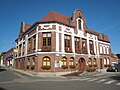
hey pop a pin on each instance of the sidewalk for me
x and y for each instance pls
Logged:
(59, 75)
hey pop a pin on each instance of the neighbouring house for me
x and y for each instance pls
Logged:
(8, 57)
(58, 43)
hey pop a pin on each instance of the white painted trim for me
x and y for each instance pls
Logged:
(88, 47)
(26, 38)
(103, 42)
(36, 47)
(57, 42)
(63, 42)
(73, 44)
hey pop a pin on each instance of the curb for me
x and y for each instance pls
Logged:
(22, 72)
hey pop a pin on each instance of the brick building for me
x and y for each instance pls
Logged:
(60, 43)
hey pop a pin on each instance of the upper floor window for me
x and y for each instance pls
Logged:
(23, 48)
(29, 44)
(107, 50)
(77, 44)
(79, 24)
(34, 42)
(84, 46)
(67, 43)
(91, 47)
(46, 41)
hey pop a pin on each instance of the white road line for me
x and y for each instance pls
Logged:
(102, 80)
(92, 80)
(118, 84)
(85, 79)
(19, 75)
(109, 82)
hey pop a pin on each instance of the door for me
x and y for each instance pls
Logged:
(82, 65)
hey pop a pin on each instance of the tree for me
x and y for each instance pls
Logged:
(118, 55)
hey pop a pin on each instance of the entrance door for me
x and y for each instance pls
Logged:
(82, 65)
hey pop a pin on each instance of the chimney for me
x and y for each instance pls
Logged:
(23, 26)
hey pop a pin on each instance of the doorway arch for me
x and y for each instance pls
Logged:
(81, 65)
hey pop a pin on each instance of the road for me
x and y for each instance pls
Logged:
(10, 80)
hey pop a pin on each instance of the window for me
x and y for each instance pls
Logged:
(107, 50)
(108, 61)
(104, 49)
(105, 62)
(91, 47)
(34, 42)
(101, 49)
(29, 42)
(79, 24)
(64, 63)
(94, 62)
(33, 63)
(84, 46)
(46, 63)
(67, 43)
(23, 48)
(20, 46)
(28, 63)
(71, 63)
(77, 47)
(46, 41)
(90, 62)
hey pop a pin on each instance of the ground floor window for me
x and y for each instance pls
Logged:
(71, 62)
(105, 62)
(64, 63)
(46, 64)
(94, 62)
(33, 63)
(28, 63)
(90, 62)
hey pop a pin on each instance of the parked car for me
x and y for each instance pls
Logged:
(114, 68)
(2, 68)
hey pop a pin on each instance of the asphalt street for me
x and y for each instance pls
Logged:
(10, 80)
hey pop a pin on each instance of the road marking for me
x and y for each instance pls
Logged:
(84, 79)
(92, 80)
(118, 84)
(109, 82)
(102, 80)
(19, 75)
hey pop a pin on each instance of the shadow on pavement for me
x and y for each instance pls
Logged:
(2, 88)
(115, 77)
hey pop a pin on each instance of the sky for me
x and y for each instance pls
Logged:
(101, 15)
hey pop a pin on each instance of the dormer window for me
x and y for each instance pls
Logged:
(79, 23)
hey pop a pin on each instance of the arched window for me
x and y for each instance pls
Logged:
(28, 63)
(64, 63)
(79, 23)
(108, 61)
(90, 62)
(105, 62)
(71, 62)
(94, 62)
(46, 64)
(33, 63)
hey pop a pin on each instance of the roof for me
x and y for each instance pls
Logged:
(92, 32)
(27, 26)
(60, 18)
(103, 37)
(55, 17)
